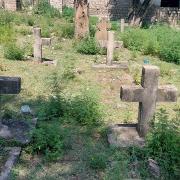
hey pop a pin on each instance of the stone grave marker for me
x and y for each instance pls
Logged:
(81, 18)
(18, 130)
(110, 54)
(147, 95)
(38, 43)
(122, 25)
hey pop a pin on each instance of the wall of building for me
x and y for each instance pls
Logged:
(12, 5)
(57, 4)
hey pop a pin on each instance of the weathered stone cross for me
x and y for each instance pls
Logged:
(147, 95)
(38, 43)
(9, 85)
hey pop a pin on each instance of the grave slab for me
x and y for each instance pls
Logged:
(18, 130)
(14, 153)
(125, 135)
(113, 66)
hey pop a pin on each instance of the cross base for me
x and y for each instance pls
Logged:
(125, 135)
(113, 66)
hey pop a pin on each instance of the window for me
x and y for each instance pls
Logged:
(170, 3)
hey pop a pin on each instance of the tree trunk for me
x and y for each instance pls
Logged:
(138, 12)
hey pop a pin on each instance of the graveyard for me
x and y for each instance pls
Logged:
(87, 98)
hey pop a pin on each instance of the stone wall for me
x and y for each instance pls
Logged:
(11, 5)
(57, 4)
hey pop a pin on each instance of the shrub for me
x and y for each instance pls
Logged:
(115, 26)
(13, 52)
(163, 144)
(88, 45)
(98, 161)
(6, 34)
(67, 31)
(85, 109)
(6, 17)
(44, 8)
(49, 140)
(68, 13)
(158, 40)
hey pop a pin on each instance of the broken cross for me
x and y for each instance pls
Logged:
(38, 43)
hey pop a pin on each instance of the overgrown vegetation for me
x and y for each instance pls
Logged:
(13, 52)
(44, 8)
(163, 144)
(158, 40)
(88, 45)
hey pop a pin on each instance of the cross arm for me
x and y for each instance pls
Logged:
(131, 93)
(46, 41)
(10, 85)
(167, 93)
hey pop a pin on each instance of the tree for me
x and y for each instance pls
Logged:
(138, 11)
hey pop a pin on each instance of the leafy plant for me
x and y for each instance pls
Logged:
(44, 8)
(13, 52)
(88, 45)
(49, 140)
(68, 13)
(163, 144)
(67, 31)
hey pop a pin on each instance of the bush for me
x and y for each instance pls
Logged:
(85, 109)
(6, 17)
(158, 40)
(67, 31)
(13, 52)
(6, 34)
(49, 140)
(115, 26)
(163, 144)
(88, 45)
(68, 13)
(98, 161)
(44, 8)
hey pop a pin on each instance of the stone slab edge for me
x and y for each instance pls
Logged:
(11, 161)
(113, 66)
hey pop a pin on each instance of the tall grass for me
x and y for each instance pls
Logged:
(157, 40)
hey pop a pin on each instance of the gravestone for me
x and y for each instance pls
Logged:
(8, 85)
(102, 30)
(38, 43)
(122, 25)
(18, 130)
(81, 18)
(111, 45)
(147, 95)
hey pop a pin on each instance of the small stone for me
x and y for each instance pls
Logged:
(26, 109)
(153, 167)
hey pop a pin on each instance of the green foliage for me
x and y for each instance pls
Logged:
(49, 140)
(67, 31)
(115, 26)
(6, 34)
(13, 52)
(88, 45)
(68, 13)
(163, 144)
(85, 109)
(44, 8)
(6, 17)
(158, 40)
(98, 161)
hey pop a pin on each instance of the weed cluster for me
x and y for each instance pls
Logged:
(158, 40)
(88, 45)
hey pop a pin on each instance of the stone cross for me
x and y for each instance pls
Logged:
(81, 18)
(147, 95)
(38, 43)
(110, 48)
(122, 25)
(9, 85)
(103, 26)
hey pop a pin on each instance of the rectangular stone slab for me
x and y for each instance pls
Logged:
(167, 93)
(46, 41)
(10, 85)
